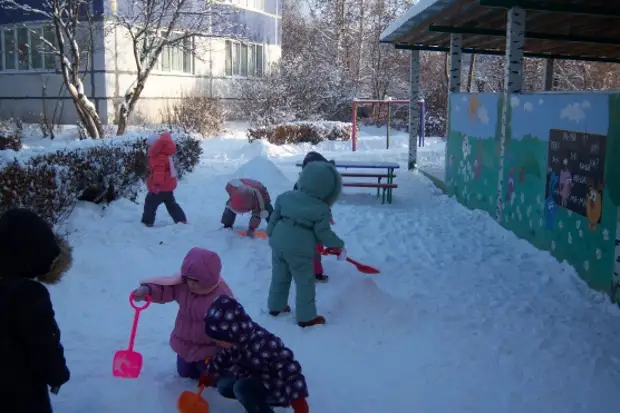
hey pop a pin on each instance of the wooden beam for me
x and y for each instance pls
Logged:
(528, 35)
(612, 11)
(502, 53)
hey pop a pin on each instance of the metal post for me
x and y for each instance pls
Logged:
(549, 74)
(422, 106)
(354, 132)
(456, 58)
(389, 119)
(414, 112)
(513, 81)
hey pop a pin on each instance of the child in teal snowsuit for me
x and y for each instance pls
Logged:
(300, 220)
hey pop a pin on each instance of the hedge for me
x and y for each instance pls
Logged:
(299, 132)
(51, 183)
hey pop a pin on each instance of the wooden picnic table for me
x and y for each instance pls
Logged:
(386, 187)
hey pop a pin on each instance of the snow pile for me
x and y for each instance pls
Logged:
(264, 170)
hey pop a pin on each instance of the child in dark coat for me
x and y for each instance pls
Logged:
(253, 365)
(32, 361)
(313, 156)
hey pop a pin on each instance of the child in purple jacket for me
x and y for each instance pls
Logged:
(253, 365)
(195, 289)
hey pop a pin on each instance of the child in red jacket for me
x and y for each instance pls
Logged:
(247, 195)
(252, 366)
(162, 180)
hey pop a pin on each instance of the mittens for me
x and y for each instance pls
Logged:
(300, 405)
(342, 256)
(140, 292)
(205, 381)
(156, 190)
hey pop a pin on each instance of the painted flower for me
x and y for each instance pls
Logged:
(578, 224)
(570, 238)
(522, 197)
(599, 254)
(528, 212)
(606, 234)
(581, 233)
(586, 265)
(570, 213)
(560, 224)
(553, 245)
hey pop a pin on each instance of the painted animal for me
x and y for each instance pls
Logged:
(551, 208)
(594, 204)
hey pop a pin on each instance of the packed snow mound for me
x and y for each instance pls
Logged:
(264, 170)
(363, 302)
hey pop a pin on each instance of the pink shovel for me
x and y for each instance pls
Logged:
(128, 363)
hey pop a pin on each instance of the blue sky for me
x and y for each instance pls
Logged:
(533, 114)
(475, 127)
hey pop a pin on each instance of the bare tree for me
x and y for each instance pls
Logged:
(154, 25)
(73, 44)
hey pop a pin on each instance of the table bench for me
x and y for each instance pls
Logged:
(382, 188)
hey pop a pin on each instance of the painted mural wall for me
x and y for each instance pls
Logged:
(561, 176)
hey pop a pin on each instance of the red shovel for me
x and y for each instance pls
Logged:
(193, 402)
(128, 363)
(366, 269)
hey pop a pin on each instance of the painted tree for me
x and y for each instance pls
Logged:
(154, 26)
(72, 42)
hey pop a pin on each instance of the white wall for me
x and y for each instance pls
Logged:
(114, 71)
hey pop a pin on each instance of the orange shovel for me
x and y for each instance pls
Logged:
(257, 234)
(192, 402)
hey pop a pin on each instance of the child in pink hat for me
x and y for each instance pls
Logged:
(195, 289)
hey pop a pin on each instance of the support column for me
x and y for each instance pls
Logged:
(414, 110)
(456, 60)
(549, 63)
(513, 81)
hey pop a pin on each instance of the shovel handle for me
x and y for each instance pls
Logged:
(132, 302)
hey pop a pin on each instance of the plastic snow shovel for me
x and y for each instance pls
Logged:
(366, 269)
(257, 234)
(192, 402)
(128, 363)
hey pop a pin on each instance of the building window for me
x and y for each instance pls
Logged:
(251, 4)
(24, 49)
(244, 60)
(178, 57)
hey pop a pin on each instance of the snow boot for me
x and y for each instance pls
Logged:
(321, 278)
(287, 309)
(315, 321)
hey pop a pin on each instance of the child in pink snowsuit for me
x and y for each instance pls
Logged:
(247, 195)
(195, 289)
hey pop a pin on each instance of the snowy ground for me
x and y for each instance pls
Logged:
(464, 317)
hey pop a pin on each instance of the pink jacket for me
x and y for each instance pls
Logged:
(162, 175)
(188, 338)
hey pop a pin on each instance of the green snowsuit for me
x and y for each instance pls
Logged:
(300, 220)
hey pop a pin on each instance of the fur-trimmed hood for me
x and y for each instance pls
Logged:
(29, 248)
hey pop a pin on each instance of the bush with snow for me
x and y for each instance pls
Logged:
(11, 134)
(301, 132)
(196, 114)
(51, 183)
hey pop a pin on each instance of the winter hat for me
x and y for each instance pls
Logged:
(226, 320)
(202, 265)
(321, 180)
(30, 249)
